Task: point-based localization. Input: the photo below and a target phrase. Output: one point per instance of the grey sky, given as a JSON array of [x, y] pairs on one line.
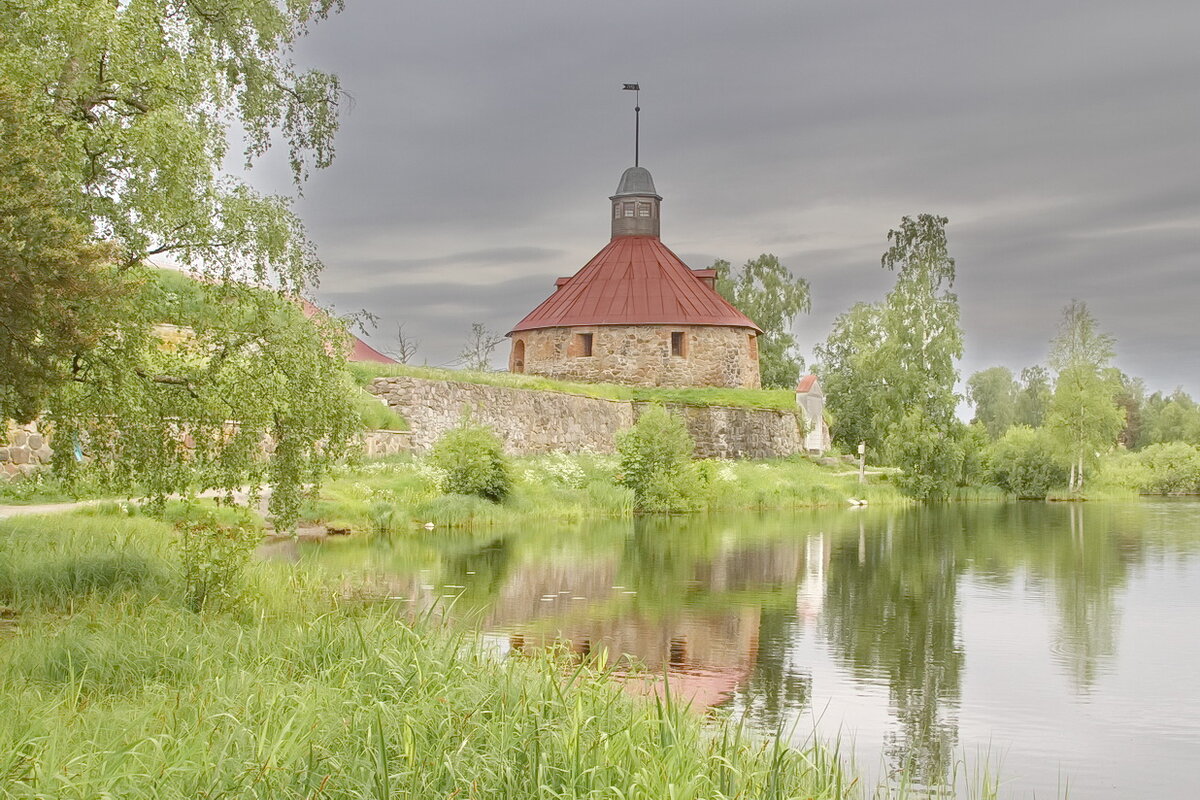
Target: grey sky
[[1062, 139]]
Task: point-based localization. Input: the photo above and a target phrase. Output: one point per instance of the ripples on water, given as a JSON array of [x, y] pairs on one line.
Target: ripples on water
[[1059, 643]]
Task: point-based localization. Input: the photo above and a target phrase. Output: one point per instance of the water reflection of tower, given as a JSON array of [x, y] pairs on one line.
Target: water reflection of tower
[[810, 592]]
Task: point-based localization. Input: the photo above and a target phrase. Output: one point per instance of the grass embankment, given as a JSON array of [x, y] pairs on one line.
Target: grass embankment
[[109, 687], [777, 399], [395, 494]]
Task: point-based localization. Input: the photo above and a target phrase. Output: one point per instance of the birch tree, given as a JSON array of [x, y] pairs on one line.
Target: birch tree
[[1082, 414]]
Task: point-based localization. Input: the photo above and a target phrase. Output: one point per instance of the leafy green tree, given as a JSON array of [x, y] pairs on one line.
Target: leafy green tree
[[973, 439], [767, 292], [657, 463], [889, 370], [131, 103], [57, 294], [1033, 398], [1130, 396], [931, 456], [1082, 413], [994, 392], [850, 384], [1170, 418], [244, 374]]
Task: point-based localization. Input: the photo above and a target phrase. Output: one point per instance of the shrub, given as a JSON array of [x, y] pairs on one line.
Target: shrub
[[216, 550], [1026, 463], [656, 463], [1171, 467], [473, 461]]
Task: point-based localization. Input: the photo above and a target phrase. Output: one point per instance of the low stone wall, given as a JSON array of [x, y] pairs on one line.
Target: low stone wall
[[530, 421], [377, 444], [527, 421], [27, 449], [23, 450]]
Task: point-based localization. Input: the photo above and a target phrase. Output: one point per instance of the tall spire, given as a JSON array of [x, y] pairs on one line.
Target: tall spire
[[637, 117]]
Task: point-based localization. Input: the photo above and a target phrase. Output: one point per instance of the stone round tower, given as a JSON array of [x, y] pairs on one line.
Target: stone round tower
[[636, 314]]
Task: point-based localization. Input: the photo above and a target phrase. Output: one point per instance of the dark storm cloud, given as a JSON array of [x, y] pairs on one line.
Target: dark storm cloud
[[1061, 139]]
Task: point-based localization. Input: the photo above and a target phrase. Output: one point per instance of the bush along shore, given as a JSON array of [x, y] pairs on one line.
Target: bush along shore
[[133, 667], [406, 492]]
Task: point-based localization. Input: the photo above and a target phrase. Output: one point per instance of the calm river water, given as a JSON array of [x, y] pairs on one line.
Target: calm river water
[[1057, 643]]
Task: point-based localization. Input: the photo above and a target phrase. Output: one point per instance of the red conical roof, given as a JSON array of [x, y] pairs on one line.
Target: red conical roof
[[635, 280]]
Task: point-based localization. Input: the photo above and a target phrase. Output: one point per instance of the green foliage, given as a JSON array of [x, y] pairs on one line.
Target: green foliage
[[124, 112], [1026, 462], [474, 463], [767, 292], [1172, 467], [375, 414], [930, 457], [851, 386], [57, 296], [1170, 418], [1082, 414], [214, 554], [975, 442], [248, 372], [657, 463], [1034, 397], [892, 366], [994, 394]]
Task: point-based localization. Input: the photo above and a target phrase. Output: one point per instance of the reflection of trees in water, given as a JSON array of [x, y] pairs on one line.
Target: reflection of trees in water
[[482, 572], [1081, 553], [1089, 568], [890, 612], [775, 691]]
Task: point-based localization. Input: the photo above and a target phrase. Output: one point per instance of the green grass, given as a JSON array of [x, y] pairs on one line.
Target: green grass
[[778, 399], [110, 688], [376, 415], [403, 492]]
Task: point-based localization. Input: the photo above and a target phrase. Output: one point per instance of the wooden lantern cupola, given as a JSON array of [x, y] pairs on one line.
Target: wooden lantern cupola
[[635, 206]]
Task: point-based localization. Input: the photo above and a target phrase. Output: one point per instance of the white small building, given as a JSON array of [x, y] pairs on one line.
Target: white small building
[[811, 398]]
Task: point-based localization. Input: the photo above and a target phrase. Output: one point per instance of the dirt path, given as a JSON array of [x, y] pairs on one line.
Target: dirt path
[[239, 496]]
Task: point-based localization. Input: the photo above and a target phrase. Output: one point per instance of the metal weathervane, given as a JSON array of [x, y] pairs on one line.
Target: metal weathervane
[[637, 117]]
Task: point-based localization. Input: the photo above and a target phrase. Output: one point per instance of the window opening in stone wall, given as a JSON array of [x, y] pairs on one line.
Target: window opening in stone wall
[[518, 356], [678, 344], [583, 344], [643, 209], [753, 347]]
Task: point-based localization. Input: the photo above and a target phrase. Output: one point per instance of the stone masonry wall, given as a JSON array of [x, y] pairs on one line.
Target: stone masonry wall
[[530, 421], [23, 450], [527, 421], [640, 355], [27, 449]]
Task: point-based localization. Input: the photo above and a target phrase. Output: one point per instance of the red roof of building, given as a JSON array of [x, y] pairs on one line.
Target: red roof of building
[[358, 350], [635, 280], [361, 351], [806, 383]]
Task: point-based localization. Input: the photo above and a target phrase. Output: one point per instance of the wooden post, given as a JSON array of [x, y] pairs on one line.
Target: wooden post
[[862, 462]]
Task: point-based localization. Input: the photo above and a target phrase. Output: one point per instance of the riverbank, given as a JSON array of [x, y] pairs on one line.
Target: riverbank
[[110, 686], [405, 492]]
